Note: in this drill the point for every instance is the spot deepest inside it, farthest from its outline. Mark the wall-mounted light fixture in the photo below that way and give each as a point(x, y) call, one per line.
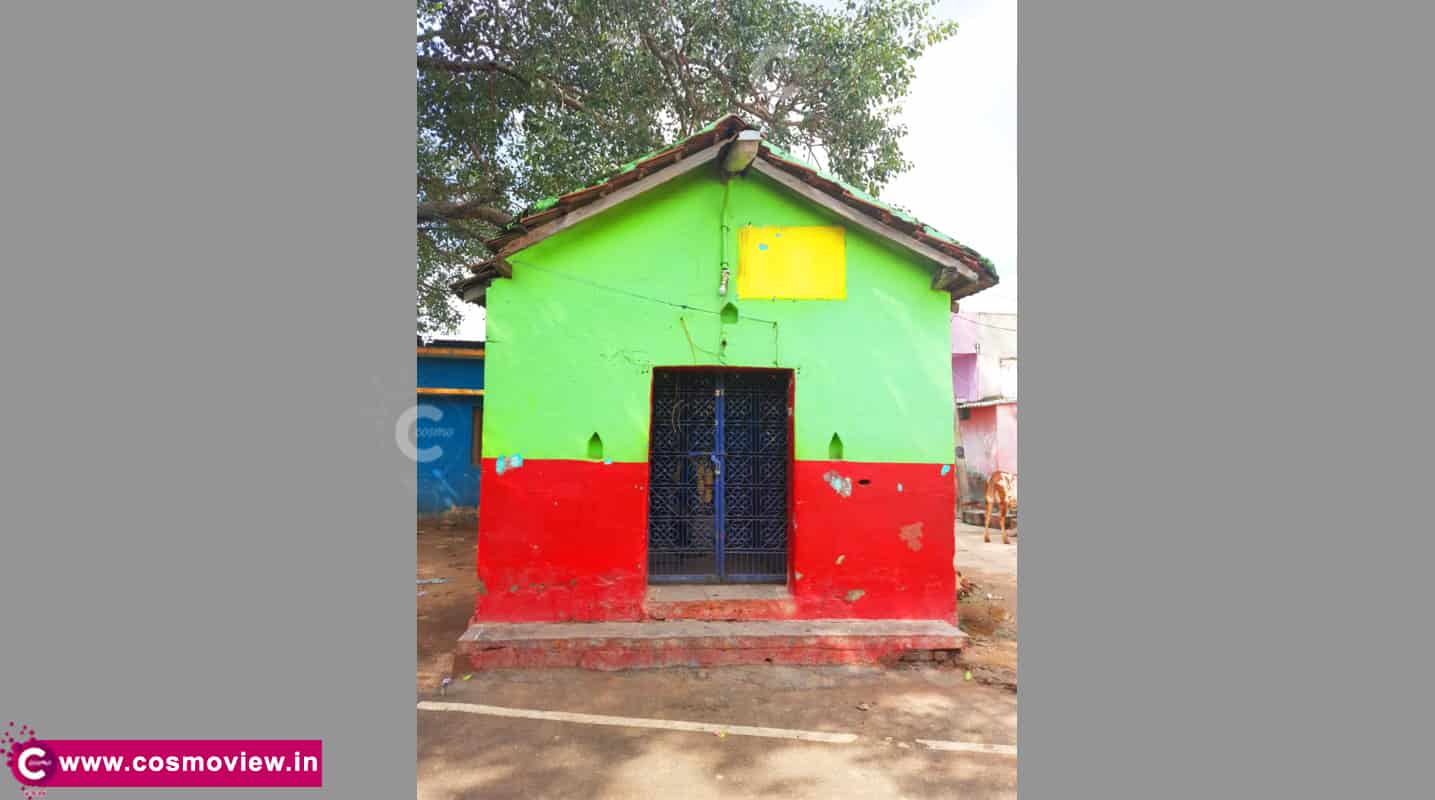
point(741, 152)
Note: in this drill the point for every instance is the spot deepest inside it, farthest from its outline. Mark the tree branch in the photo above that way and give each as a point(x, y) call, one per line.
point(567, 98)
point(566, 95)
point(722, 78)
point(449, 210)
point(459, 67)
point(668, 69)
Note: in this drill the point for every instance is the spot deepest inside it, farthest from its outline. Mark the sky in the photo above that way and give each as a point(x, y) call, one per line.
point(961, 139)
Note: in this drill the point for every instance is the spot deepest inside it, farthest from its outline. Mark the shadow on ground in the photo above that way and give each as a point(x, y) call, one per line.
point(464, 755)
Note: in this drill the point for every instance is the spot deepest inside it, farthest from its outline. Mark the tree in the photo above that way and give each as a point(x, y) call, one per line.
point(523, 99)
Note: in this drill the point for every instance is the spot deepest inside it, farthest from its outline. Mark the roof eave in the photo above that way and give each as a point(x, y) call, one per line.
point(835, 195)
point(958, 269)
point(473, 289)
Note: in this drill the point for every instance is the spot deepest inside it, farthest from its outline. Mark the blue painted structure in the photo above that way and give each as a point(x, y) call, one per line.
point(450, 401)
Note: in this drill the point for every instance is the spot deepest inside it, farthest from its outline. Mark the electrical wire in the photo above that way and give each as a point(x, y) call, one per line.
point(686, 307)
point(637, 296)
point(959, 315)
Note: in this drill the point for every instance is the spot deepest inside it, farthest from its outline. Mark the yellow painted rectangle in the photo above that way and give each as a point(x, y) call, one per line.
point(808, 263)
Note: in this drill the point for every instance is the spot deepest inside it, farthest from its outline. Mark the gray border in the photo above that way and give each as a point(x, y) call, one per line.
point(1216, 205)
point(207, 321)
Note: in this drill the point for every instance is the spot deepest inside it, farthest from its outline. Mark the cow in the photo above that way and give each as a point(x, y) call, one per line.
point(1001, 492)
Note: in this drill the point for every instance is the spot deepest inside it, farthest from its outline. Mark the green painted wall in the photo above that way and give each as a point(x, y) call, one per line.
point(571, 344)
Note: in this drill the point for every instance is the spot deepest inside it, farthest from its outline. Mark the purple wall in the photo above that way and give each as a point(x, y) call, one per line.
point(964, 376)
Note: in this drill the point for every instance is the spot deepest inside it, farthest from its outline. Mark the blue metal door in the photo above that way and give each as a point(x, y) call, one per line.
point(717, 482)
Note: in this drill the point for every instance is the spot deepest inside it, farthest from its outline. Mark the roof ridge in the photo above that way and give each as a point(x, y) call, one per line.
point(963, 270)
point(546, 203)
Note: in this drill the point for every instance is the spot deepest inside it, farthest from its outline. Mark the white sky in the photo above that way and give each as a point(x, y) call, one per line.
point(961, 138)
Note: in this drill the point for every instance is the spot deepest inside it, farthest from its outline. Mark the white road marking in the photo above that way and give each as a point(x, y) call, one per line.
point(968, 747)
point(696, 727)
point(639, 722)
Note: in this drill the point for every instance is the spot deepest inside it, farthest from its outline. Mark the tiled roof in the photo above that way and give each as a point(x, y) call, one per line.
point(518, 234)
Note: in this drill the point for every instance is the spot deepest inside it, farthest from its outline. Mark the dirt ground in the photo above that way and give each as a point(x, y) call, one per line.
point(890, 710)
point(446, 550)
point(465, 755)
point(988, 615)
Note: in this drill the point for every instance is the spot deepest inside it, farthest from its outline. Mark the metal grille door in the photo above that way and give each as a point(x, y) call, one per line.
point(717, 508)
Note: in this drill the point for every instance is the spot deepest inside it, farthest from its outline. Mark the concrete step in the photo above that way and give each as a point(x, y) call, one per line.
point(732, 603)
point(701, 643)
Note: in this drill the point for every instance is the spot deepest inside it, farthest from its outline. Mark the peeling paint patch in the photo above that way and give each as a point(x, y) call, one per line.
point(899, 487)
point(911, 535)
point(946, 468)
point(854, 595)
point(839, 484)
point(797, 576)
point(482, 589)
point(505, 463)
point(839, 558)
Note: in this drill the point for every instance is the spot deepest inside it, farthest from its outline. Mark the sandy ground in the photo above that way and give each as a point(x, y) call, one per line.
point(446, 550)
point(464, 755)
point(988, 616)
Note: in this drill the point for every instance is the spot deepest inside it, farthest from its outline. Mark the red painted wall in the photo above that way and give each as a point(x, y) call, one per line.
point(896, 546)
point(562, 540)
point(567, 540)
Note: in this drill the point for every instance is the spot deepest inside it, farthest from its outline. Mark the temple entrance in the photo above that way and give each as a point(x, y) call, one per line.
point(718, 457)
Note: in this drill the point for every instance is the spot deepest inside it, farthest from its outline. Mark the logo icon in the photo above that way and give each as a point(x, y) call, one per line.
point(409, 418)
point(31, 761)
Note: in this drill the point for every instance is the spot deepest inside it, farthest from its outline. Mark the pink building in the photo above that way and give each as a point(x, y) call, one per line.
point(984, 370)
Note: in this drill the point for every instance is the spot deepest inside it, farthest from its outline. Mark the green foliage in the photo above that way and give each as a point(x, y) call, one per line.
point(523, 99)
